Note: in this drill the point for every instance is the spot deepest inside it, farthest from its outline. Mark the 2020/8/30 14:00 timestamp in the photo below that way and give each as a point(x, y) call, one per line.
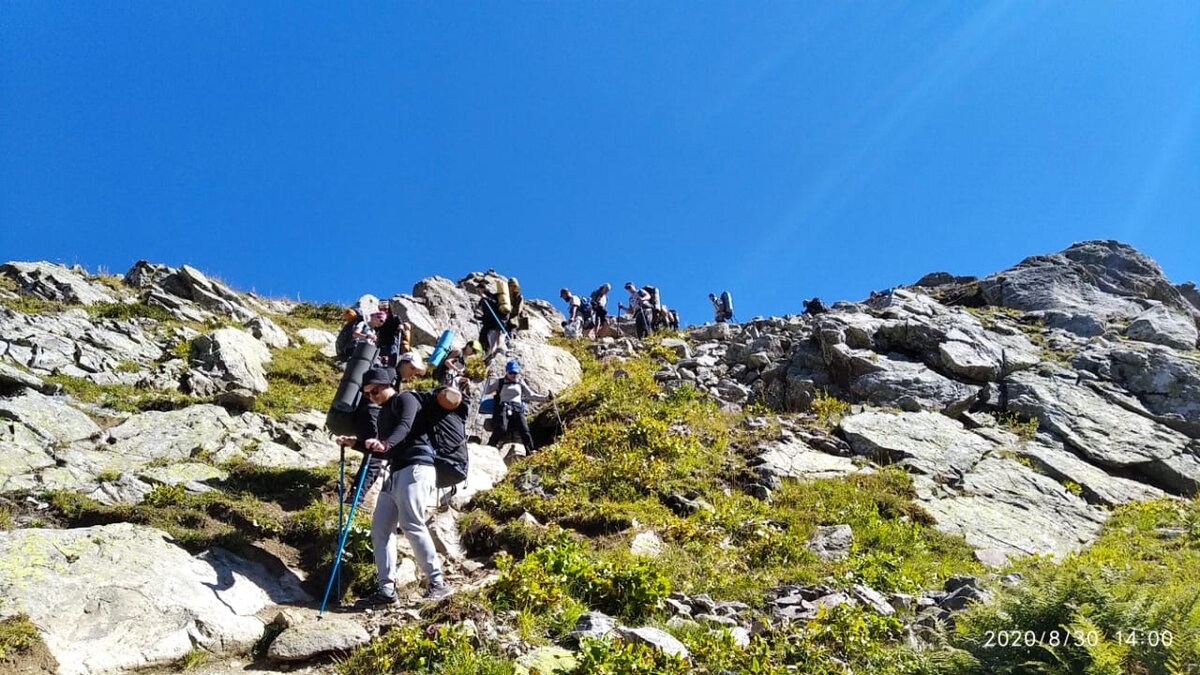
point(1065, 638)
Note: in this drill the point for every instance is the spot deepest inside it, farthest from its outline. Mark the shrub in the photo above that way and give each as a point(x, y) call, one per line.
point(829, 409)
point(17, 636)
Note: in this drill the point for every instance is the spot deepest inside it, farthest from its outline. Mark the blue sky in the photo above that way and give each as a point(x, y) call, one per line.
point(776, 149)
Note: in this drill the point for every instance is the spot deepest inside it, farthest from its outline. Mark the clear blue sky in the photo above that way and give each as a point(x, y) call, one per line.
point(777, 149)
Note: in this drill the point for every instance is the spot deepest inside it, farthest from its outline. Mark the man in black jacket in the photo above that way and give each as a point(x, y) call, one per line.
point(409, 489)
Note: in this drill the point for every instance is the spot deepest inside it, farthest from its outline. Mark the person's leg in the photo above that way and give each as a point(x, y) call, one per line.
point(416, 489)
point(499, 427)
point(522, 425)
point(383, 529)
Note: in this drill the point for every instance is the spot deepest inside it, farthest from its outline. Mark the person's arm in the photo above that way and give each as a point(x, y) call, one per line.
point(404, 407)
point(532, 396)
point(490, 388)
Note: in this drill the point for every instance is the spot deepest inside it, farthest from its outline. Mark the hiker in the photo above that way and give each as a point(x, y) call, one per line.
point(403, 440)
point(454, 366)
point(600, 307)
point(374, 322)
point(579, 313)
point(641, 309)
point(355, 330)
point(515, 320)
point(722, 312)
point(814, 307)
point(387, 338)
point(366, 425)
point(491, 326)
point(366, 420)
point(511, 393)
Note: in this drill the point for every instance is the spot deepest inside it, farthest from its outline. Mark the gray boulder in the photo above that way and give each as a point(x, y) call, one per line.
point(655, 638)
point(233, 358)
point(1108, 435)
point(545, 368)
point(832, 542)
point(1002, 504)
point(324, 339)
point(122, 597)
point(912, 386)
point(448, 306)
point(49, 417)
point(267, 332)
point(796, 459)
point(15, 379)
point(25, 455)
point(1163, 326)
point(1096, 485)
point(425, 330)
point(1099, 280)
point(54, 282)
point(928, 443)
point(315, 638)
point(1166, 382)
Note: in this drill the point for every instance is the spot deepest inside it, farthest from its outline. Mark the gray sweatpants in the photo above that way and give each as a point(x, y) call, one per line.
point(405, 496)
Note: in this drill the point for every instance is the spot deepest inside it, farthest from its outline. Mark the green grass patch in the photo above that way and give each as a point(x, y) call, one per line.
point(1130, 603)
point(326, 316)
point(1023, 428)
point(18, 635)
point(193, 659)
point(123, 397)
point(298, 378)
point(128, 310)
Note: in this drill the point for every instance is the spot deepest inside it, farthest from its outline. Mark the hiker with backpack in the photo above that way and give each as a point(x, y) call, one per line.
point(366, 420)
point(641, 307)
point(454, 366)
point(722, 311)
point(599, 300)
point(355, 330)
point(579, 314)
point(425, 447)
point(515, 320)
point(492, 331)
point(511, 393)
point(389, 336)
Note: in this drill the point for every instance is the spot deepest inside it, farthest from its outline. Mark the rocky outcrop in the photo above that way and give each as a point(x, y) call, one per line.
point(1085, 286)
point(54, 282)
point(76, 344)
point(1163, 326)
point(232, 360)
point(545, 368)
point(190, 295)
point(122, 596)
point(1108, 435)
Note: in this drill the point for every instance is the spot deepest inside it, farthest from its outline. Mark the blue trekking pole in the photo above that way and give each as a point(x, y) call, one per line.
point(495, 316)
point(337, 561)
point(341, 507)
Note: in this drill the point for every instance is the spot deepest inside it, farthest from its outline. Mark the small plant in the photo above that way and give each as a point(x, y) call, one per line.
point(1023, 428)
point(1073, 487)
point(128, 310)
point(17, 636)
point(193, 659)
point(108, 476)
point(829, 409)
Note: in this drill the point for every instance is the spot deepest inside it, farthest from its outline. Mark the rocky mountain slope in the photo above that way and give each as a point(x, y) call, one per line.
point(826, 492)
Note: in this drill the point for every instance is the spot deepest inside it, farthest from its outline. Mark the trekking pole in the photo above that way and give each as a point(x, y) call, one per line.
point(496, 317)
point(341, 506)
point(337, 560)
point(554, 403)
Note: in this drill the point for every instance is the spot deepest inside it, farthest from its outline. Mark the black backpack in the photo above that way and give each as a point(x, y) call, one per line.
point(344, 344)
point(447, 433)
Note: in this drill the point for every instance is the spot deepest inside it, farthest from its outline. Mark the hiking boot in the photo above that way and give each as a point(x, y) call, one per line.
point(436, 591)
point(378, 599)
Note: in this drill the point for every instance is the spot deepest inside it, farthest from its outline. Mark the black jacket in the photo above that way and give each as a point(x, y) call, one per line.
point(402, 433)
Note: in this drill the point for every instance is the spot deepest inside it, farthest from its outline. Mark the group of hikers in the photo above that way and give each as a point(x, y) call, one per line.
point(589, 316)
point(417, 440)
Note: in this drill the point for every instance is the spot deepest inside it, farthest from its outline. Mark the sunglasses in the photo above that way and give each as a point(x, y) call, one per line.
point(371, 390)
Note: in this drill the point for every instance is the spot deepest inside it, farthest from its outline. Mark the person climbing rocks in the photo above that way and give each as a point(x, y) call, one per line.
point(454, 366)
point(721, 313)
point(511, 394)
point(579, 314)
point(600, 307)
point(492, 330)
point(388, 336)
point(516, 320)
point(355, 331)
point(642, 309)
point(408, 491)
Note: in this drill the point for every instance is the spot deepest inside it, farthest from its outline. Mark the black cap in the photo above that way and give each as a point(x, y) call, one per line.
point(380, 376)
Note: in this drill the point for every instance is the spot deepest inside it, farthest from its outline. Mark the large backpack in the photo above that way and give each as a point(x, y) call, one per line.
point(655, 298)
point(596, 295)
point(344, 344)
point(447, 433)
